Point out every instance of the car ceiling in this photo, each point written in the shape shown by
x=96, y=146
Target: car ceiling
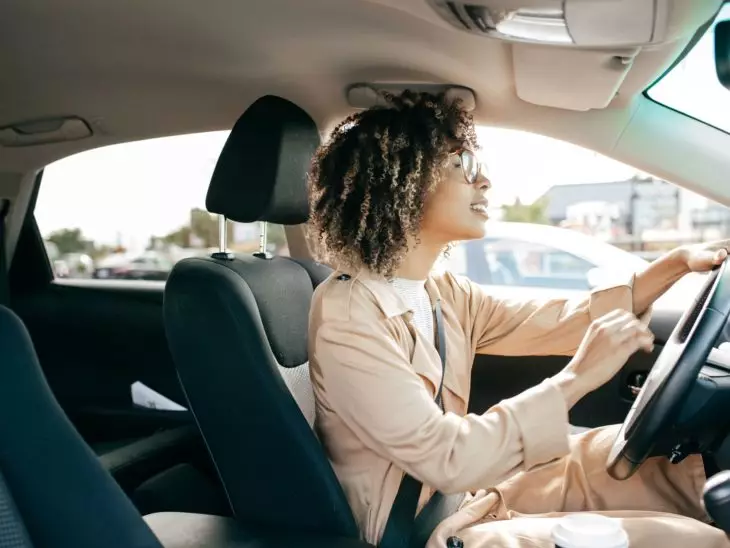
x=145, y=68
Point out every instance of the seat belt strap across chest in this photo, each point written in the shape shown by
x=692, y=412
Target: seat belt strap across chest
x=404, y=529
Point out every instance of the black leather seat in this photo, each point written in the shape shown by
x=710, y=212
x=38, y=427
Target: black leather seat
x=237, y=329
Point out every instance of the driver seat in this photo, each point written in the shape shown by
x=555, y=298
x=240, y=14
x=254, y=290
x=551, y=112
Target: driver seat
x=237, y=329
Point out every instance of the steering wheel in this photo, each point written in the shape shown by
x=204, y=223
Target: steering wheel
x=673, y=376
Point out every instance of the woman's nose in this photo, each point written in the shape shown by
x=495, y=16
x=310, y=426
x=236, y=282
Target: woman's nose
x=484, y=183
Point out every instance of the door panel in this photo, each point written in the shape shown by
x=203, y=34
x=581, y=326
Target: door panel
x=94, y=339
x=495, y=378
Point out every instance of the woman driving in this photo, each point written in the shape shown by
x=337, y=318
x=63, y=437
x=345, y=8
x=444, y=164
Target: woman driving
x=392, y=346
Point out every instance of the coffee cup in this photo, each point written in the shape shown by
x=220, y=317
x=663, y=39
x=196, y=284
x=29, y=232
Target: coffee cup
x=585, y=530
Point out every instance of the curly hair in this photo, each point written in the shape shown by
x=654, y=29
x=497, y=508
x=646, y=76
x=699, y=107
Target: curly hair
x=370, y=181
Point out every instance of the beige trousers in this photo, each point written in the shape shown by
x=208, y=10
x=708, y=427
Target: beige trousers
x=659, y=506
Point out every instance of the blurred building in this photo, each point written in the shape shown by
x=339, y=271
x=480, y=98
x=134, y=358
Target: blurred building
x=631, y=208
x=712, y=222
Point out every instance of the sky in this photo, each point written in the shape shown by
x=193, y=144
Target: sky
x=130, y=191
x=149, y=187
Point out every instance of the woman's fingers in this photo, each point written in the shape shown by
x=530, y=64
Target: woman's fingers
x=615, y=321
x=646, y=342
x=636, y=334
x=636, y=339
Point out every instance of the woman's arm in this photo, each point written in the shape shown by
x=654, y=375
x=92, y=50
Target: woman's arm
x=522, y=327
x=658, y=277
x=668, y=269
x=556, y=326
x=365, y=377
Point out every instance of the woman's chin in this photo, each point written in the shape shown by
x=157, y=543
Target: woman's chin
x=473, y=231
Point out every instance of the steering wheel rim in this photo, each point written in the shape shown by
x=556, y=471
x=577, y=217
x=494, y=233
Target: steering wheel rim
x=673, y=375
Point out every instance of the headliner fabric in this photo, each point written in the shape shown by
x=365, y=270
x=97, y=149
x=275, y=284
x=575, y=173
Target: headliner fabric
x=262, y=170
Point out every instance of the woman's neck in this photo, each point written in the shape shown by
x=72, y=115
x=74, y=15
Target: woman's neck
x=419, y=260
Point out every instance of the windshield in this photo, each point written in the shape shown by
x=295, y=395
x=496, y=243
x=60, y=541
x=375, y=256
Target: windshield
x=692, y=86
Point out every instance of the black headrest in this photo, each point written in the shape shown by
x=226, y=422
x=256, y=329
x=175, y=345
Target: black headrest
x=261, y=172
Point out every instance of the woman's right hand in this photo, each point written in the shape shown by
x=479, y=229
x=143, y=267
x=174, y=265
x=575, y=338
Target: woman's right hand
x=606, y=346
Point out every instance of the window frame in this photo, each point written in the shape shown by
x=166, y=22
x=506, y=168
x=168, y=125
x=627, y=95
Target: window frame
x=704, y=28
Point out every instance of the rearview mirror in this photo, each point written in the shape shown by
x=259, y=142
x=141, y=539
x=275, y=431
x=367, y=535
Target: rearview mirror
x=722, y=52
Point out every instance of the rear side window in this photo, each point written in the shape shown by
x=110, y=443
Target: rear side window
x=131, y=211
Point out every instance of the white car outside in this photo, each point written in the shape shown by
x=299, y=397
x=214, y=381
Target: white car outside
x=524, y=260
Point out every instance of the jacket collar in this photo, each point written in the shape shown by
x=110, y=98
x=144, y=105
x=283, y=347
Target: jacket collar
x=386, y=297
x=392, y=305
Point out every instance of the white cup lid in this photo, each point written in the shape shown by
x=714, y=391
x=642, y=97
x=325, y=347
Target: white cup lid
x=585, y=530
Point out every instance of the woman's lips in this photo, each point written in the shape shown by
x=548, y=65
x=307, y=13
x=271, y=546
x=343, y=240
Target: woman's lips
x=480, y=208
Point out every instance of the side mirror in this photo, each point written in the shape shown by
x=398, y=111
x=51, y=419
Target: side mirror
x=722, y=52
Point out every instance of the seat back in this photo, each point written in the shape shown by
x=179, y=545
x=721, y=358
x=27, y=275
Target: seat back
x=53, y=490
x=237, y=329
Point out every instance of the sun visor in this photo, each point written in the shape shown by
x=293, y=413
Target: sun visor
x=570, y=79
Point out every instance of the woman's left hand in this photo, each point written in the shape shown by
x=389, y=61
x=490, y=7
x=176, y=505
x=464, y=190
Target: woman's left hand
x=704, y=257
x=660, y=275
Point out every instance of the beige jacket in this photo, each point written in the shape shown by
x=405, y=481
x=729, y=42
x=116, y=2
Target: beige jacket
x=375, y=379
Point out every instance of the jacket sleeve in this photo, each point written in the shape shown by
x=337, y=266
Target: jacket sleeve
x=537, y=327
x=369, y=383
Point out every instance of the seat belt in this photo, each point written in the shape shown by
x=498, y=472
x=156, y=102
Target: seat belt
x=404, y=529
x=4, y=283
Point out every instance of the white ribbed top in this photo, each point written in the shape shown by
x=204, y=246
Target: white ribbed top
x=414, y=294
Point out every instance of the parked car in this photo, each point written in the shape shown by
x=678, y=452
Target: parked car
x=144, y=267
x=545, y=261
x=79, y=265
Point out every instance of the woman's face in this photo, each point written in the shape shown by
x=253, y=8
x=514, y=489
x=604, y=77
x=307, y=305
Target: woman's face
x=456, y=210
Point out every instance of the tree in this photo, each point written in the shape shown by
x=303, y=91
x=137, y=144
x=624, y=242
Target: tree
x=202, y=231
x=179, y=237
x=204, y=228
x=536, y=212
x=71, y=240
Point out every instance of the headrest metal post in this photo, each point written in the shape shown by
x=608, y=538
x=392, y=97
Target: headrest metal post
x=263, y=240
x=222, y=252
x=263, y=237
x=222, y=234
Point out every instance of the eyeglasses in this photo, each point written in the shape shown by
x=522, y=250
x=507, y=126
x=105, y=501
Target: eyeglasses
x=471, y=167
